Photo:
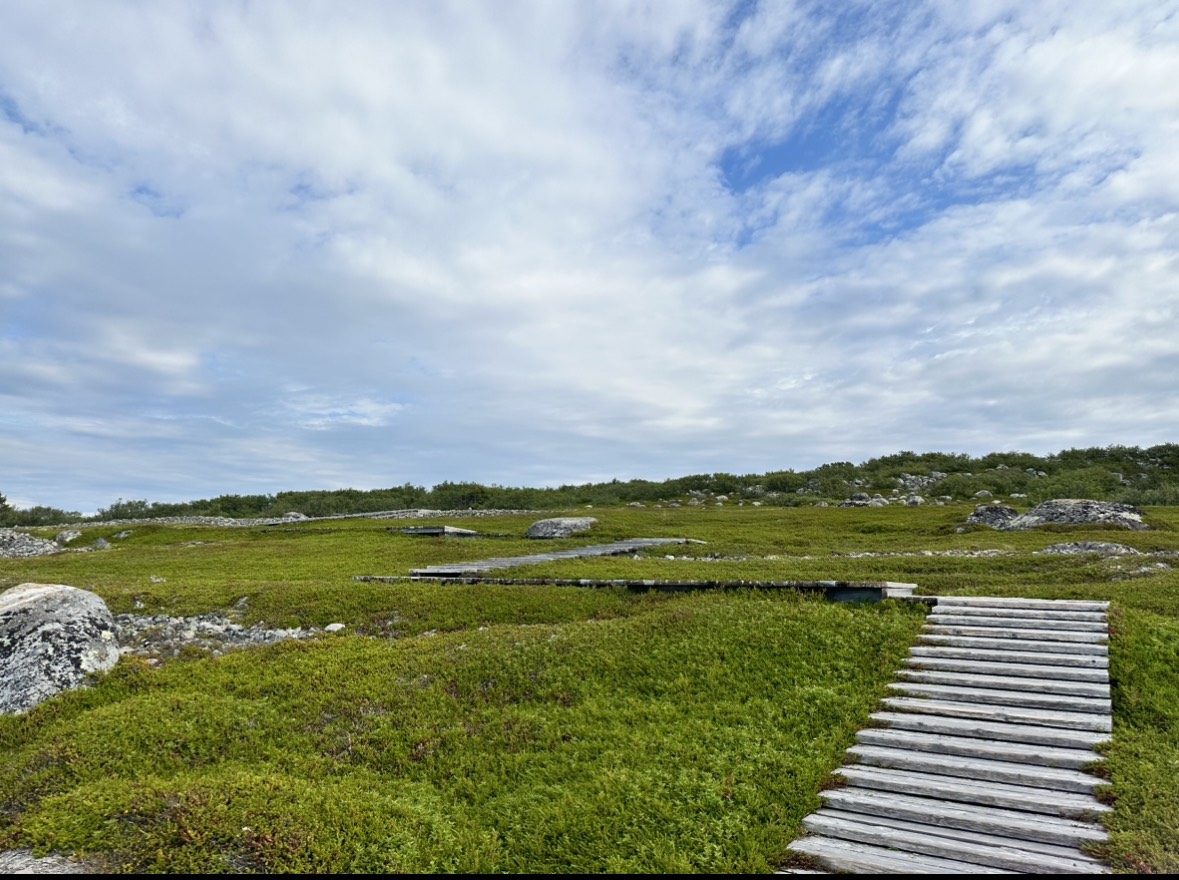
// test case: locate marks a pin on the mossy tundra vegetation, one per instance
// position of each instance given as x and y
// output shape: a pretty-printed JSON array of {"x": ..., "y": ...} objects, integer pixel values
[{"x": 540, "y": 729}]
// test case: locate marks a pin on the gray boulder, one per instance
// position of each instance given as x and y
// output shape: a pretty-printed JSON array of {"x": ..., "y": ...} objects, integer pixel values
[
  {"x": 67, "y": 536},
  {"x": 563, "y": 526},
  {"x": 1080, "y": 512},
  {"x": 997, "y": 516},
  {"x": 52, "y": 637}
]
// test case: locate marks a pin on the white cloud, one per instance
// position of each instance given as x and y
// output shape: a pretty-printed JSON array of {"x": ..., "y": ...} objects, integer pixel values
[{"x": 249, "y": 248}]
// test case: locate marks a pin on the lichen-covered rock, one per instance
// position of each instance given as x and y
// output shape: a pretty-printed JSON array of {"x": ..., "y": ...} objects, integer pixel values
[
  {"x": 67, "y": 536},
  {"x": 52, "y": 638},
  {"x": 997, "y": 516},
  {"x": 1104, "y": 548},
  {"x": 561, "y": 526},
  {"x": 18, "y": 545},
  {"x": 1080, "y": 512}
]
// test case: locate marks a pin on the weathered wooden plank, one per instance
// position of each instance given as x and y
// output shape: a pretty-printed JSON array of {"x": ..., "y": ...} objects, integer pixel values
[
  {"x": 1016, "y": 824},
  {"x": 983, "y": 769},
  {"x": 931, "y": 659},
  {"x": 1032, "y": 734},
  {"x": 1007, "y": 714},
  {"x": 1003, "y": 602},
  {"x": 989, "y": 850},
  {"x": 1064, "y": 851},
  {"x": 1001, "y": 697},
  {"x": 1021, "y": 635},
  {"x": 972, "y": 747},
  {"x": 861, "y": 858},
  {"x": 990, "y": 611},
  {"x": 1039, "y": 623},
  {"x": 1037, "y": 658},
  {"x": 1023, "y": 645},
  {"x": 1092, "y": 690},
  {"x": 995, "y": 794}
]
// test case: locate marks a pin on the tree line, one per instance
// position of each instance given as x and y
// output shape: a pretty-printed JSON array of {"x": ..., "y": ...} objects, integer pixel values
[{"x": 1114, "y": 473}]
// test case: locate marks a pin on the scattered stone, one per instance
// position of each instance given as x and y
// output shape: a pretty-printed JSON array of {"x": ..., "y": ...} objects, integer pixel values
[
  {"x": 1104, "y": 548},
  {"x": 18, "y": 545},
  {"x": 912, "y": 483},
  {"x": 914, "y": 501},
  {"x": 334, "y": 627},
  {"x": 563, "y": 526},
  {"x": 158, "y": 636},
  {"x": 1122, "y": 574},
  {"x": 292, "y": 515},
  {"x": 997, "y": 516},
  {"x": 983, "y": 493},
  {"x": 126, "y": 533},
  {"x": 102, "y": 544},
  {"x": 878, "y": 502},
  {"x": 66, "y": 536},
  {"x": 52, "y": 638}
]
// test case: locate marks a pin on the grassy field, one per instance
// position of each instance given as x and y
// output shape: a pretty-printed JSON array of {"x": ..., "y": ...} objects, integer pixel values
[{"x": 496, "y": 728}]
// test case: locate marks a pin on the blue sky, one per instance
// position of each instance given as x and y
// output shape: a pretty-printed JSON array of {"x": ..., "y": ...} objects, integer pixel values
[{"x": 248, "y": 247}]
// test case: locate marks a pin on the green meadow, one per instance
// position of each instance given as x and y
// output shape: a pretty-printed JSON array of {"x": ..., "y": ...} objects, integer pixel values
[{"x": 485, "y": 728}]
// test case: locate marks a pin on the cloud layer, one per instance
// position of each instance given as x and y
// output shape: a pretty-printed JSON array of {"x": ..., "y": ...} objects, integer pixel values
[{"x": 254, "y": 247}]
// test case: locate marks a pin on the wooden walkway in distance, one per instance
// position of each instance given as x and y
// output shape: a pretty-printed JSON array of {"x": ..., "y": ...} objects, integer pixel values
[
  {"x": 977, "y": 765},
  {"x": 617, "y": 548}
]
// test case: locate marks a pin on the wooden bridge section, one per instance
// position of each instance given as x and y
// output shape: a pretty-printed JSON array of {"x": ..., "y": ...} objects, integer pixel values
[{"x": 978, "y": 764}]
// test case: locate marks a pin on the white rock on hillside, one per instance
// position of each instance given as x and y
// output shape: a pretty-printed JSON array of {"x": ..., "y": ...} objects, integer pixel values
[
  {"x": 52, "y": 638},
  {"x": 561, "y": 526}
]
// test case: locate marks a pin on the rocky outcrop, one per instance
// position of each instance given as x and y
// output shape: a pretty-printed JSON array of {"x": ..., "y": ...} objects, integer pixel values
[
  {"x": 52, "y": 638},
  {"x": 1104, "y": 548},
  {"x": 561, "y": 526},
  {"x": 1080, "y": 512},
  {"x": 997, "y": 516},
  {"x": 160, "y": 637},
  {"x": 1060, "y": 512},
  {"x": 18, "y": 545}
]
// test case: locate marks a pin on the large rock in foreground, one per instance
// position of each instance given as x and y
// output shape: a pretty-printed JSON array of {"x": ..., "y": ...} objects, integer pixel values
[
  {"x": 52, "y": 637},
  {"x": 561, "y": 526}
]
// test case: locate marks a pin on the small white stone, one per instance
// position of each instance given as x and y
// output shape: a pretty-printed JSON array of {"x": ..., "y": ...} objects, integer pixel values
[{"x": 334, "y": 627}]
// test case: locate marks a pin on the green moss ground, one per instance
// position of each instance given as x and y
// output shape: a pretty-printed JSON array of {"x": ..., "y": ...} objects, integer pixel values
[{"x": 496, "y": 728}]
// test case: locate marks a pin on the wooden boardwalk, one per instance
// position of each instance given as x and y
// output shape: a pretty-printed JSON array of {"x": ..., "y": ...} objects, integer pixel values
[
  {"x": 977, "y": 765},
  {"x": 617, "y": 548}
]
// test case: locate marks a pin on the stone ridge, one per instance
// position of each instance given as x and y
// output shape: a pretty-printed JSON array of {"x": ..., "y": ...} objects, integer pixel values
[{"x": 229, "y": 522}]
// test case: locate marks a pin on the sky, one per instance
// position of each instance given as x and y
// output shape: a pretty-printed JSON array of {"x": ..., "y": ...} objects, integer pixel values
[{"x": 248, "y": 247}]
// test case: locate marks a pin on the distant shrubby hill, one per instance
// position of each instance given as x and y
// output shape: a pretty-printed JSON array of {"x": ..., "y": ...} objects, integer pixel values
[{"x": 1114, "y": 473}]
